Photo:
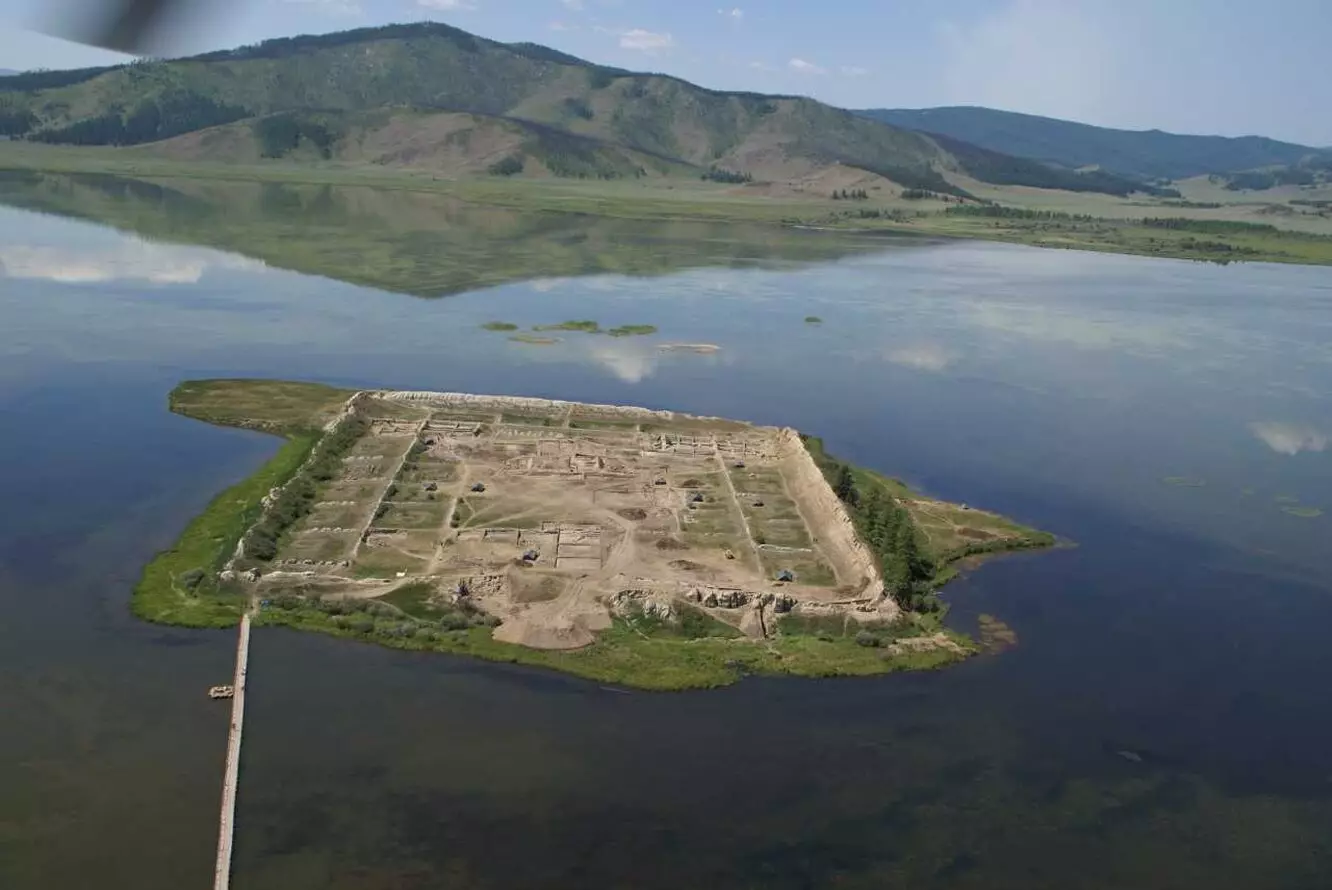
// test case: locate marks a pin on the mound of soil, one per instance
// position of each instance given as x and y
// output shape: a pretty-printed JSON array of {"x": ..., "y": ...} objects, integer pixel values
[
  {"x": 634, "y": 513},
  {"x": 691, "y": 483},
  {"x": 671, "y": 544},
  {"x": 686, "y": 566}
]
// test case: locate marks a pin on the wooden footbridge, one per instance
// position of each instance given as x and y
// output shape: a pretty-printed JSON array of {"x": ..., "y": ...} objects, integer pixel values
[{"x": 227, "y": 823}]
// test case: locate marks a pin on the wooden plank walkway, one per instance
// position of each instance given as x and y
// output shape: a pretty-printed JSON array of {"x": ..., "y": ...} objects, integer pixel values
[{"x": 227, "y": 824}]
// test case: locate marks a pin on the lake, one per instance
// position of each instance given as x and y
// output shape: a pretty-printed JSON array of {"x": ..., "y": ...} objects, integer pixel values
[{"x": 1163, "y": 722}]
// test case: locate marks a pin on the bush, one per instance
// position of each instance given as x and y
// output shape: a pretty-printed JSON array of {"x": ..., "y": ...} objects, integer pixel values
[
  {"x": 191, "y": 579},
  {"x": 454, "y": 621},
  {"x": 578, "y": 108},
  {"x": 868, "y": 640},
  {"x": 716, "y": 174},
  {"x": 507, "y": 167}
]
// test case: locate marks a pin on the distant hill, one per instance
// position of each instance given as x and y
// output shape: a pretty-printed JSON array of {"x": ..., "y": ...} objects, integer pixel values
[
  {"x": 432, "y": 96},
  {"x": 5, "y": 72},
  {"x": 1143, "y": 153}
]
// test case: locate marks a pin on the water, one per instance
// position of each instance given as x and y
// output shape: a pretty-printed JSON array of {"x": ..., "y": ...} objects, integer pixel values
[{"x": 1164, "y": 721}]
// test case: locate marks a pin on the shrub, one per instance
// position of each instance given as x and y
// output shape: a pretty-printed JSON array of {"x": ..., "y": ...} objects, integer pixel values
[
  {"x": 191, "y": 579},
  {"x": 867, "y": 639},
  {"x": 507, "y": 167}
]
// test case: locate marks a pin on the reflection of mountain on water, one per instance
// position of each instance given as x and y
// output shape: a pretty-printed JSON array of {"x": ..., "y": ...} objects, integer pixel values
[{"x": 423, "y": 243}]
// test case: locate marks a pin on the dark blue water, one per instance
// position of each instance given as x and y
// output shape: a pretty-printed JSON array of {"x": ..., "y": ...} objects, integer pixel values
[{"x": 1163, "y": 722}]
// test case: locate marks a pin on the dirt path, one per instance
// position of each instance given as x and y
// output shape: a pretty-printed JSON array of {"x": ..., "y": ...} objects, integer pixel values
[
  {"x": 393, "y": 477},
  {"x": 812, "y": 527},
  {"x": 446, "y": 527},
  {"x": 735, "y": 502}
]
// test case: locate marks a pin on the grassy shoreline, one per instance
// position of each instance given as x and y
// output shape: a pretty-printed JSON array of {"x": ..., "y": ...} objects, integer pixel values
[
  {"x": 164, "y": 594},
  {"x": 622, "y": 657},
  {"x": 180, "y": 585},
  {"x": 1117, "y": 232}
]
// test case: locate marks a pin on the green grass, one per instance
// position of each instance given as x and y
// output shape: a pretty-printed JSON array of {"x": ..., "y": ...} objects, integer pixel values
[
  {"x": 206, "y": 544},
  {"x": 624, "y": 656},
  {"x": 586, "y": 327},
  {"x": 413, "y": 599},
  {"x": 1302, "y": 512},
  {"x": 633, "y": 330},
  {"x": 267, "y": 404},
  {"x": 534, "y": 339},
  {"x": 813, "y": 319},
  {"x": 500, "y": 326}
]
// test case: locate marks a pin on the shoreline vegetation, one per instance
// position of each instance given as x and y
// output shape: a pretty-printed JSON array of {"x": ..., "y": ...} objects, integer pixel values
[
  {"x": 1035, "y": 217},
  {"x": 917, "y": 541}
]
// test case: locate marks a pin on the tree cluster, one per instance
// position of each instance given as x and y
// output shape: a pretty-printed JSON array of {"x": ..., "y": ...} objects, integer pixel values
[
  {"x": 509, "y": 166},
  {"x": 153, "y": 119},
  {"x": 299, "y": 495},
  {"x": 999, "y": 211},
  {"x": 888, "y": 529},
  {"x": 1208, "y": 226},
  {"x": 16, "y": 122},
  {"x": 922, "y": 177},
  {"x": 578, "y": 108},
  {"x": 716, "y": 174},
  {"x": 281, "y": 134},
  {"x": 851, "y": 195}
]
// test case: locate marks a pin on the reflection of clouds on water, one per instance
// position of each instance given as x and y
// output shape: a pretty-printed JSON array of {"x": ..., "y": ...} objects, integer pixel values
[
  {"x": 921, "y": 356},
  {"x": 131, "y": 260},
  {"x": 631, "y": 362},
  {"x": 545, "y": 285},
  {"x": 1086, "y": 329},
  {"x": 1289, "y": 438}
]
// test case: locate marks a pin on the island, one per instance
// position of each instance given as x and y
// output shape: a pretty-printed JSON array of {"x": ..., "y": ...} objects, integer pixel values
[{"x": 652, "y": 549}]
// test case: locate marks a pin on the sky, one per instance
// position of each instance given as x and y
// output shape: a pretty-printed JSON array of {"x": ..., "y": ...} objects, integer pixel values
[{"x": 1187, "y": 66}]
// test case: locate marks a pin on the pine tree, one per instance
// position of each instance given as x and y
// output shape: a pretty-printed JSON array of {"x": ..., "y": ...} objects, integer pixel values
[{"x": 845, "y": 486}]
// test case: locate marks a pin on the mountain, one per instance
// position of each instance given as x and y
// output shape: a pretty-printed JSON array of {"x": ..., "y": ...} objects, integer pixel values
[
  {"x": 1151, "y": 154},
  {"x": 6, "y": 72},
  {"x": 431, "y": 96}
]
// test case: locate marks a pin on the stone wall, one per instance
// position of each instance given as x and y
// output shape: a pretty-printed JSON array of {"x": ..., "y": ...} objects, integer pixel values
[
  {"x": 469, "y": 402},
  {"x": 830, "y": 524}
]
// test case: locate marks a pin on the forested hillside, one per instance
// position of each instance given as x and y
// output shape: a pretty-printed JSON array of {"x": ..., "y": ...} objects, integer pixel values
[
  {"x": 1142, "y": 153},
  {"x": 380, "y": 95}
]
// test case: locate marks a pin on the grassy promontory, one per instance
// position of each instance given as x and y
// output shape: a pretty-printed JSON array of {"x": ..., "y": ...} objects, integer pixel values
[{"x": 180, "y": 586}]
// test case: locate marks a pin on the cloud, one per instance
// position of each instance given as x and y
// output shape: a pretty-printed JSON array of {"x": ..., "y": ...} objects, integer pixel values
[
  {"x": 853, "y": 71},
  {"x": 761, "y": 66},
  {"x": 447, "y": 5},
  {"x": 561, "y": 26},
  {"x": 645, "y": 41},
  {"x": 135, "y": 260},
  {"x": 575, "y": 5},
  {"x": 803, "y": 67},
  {"x": 331, "y": 7},
  {"x": 921, "y": 356},
  {"x": 1289, "y": 438},
  {"x": 735, "y": 14}
]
